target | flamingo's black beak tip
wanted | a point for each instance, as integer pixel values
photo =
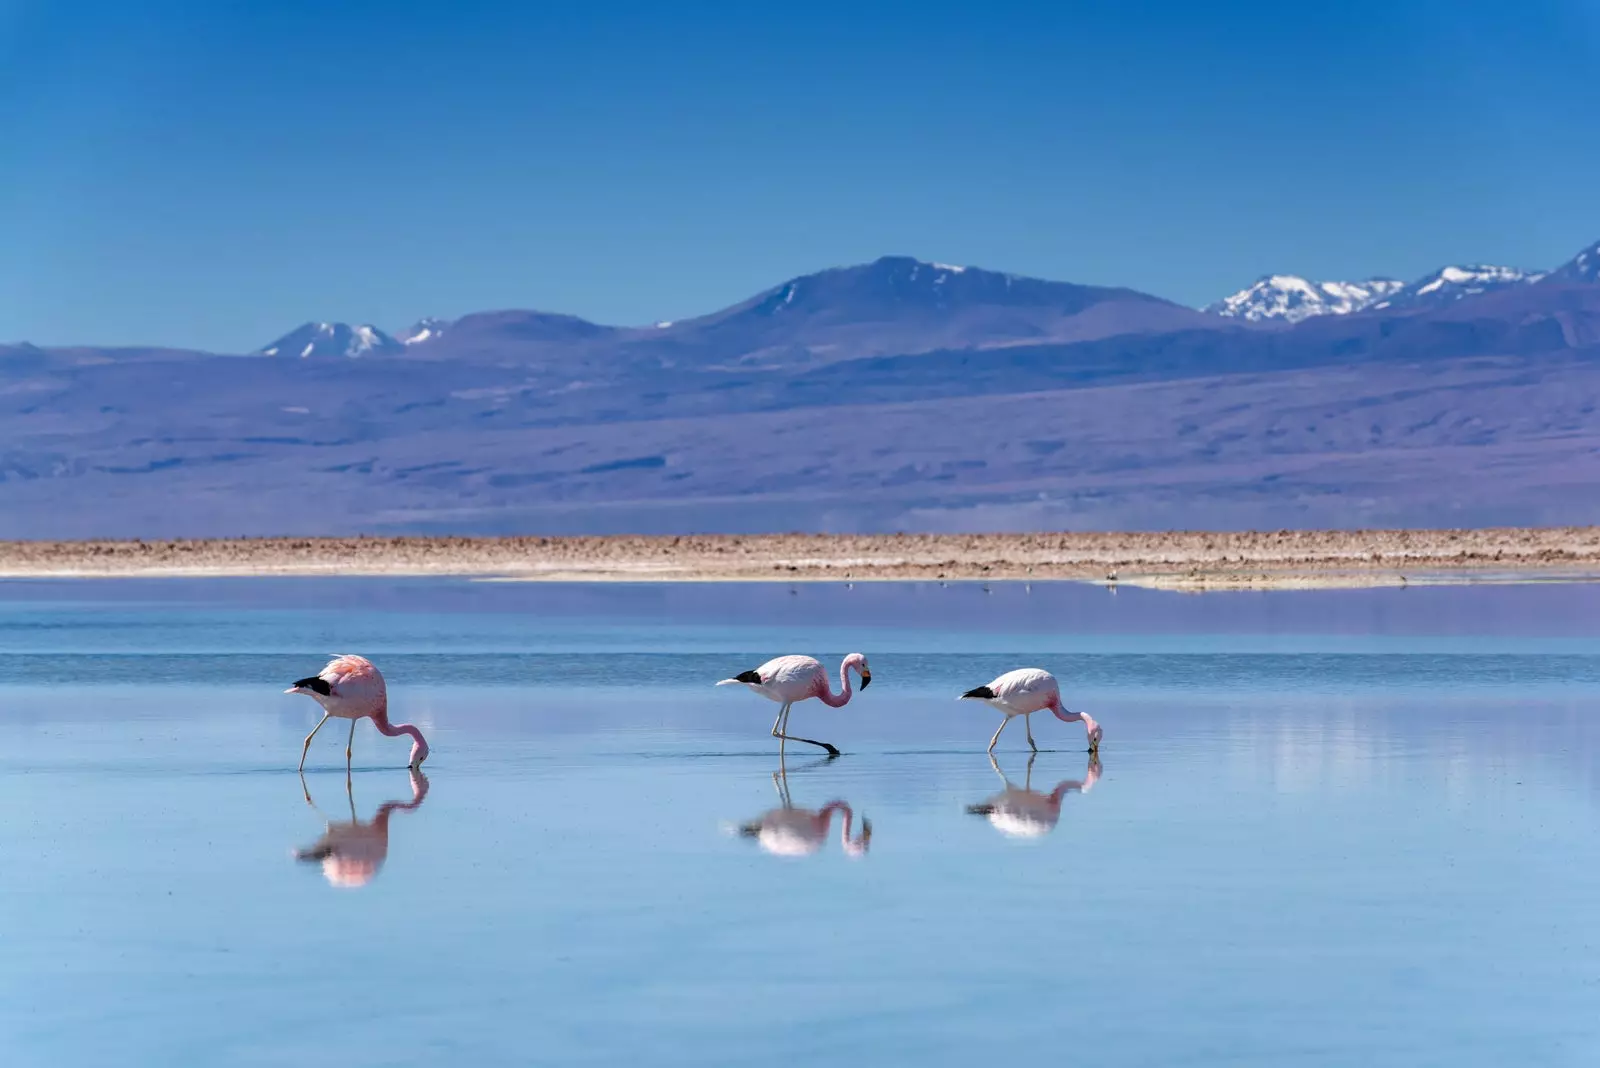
(866, 679)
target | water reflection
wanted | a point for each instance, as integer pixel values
(1025, 812)
(787, 831)
(352, 852)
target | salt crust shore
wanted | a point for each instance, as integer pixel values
(1185, 560)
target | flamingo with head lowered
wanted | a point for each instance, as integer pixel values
(351, 853)
(788, 679)
(1027, 813)
(787, 831)
(1028, 690)
(351, 688)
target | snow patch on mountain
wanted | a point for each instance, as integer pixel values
(425, 329)
(1582, 268)
(1453, 283)
(1291, 298)
(333, 339)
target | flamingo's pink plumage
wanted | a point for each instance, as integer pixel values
(787, 679)
(799, 832)
(351, 853)
(351, 687)
(1028, 690)
(1027, 813)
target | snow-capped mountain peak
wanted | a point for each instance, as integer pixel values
(1452, 283)
(332, 339)
(1292, 298)
(1582, 268)
(424, 329)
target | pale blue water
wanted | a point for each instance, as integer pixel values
(1340, 828)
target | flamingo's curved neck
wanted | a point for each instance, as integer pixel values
(1063, 789)
(825, 814)
(419, 746)
(1073, 717)
(829, 698)
(419, 790)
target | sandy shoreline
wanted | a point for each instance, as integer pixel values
(1187, 560)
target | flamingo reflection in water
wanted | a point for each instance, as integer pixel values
(787, 831)
(351, 853)
(1027, 813)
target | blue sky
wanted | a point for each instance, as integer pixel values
(211, 174)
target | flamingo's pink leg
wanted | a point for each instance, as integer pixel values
(996, 737)
(305, 748)
(781, 731)
(1027, 721)
(778, 726)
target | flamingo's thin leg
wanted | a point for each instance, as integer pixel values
(782, 732)
(348, 746)
(1027, 721)
(996, 737)
(832, 750)
(313, 734)
(777, 728)
(307, 791)
(349, 792)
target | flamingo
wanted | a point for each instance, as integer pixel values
(1026, 813)
(1028, 690)
(351, 853)
(351, 688)
(787, 679)
(787, 831)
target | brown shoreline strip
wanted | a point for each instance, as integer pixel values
(1179, 560)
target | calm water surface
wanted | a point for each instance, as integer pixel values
(1338, 828)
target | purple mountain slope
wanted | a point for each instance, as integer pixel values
(525, 334)
(1582, 269)
(894, 305)
(901, 305)
(1483, 440)
(1120, 411)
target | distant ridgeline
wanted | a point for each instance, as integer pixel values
(896, 395)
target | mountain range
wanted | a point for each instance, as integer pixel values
(897, 394)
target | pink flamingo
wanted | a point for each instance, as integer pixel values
(1028, 690)
(351, 853)
(351, 688)
(787, 831)
(1026, 813)
(788, 679)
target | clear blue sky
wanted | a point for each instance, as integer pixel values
(212, 173)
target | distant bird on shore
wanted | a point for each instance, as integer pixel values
(788, 679)
(351, 853)
(787, 831)
(351, 688)
(1022, 693)
(1025, 812)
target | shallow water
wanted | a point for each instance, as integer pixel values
(1332, 828)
